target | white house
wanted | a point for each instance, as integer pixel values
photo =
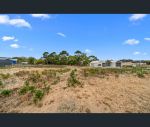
(105, 64)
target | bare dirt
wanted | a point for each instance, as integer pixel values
(110, 94)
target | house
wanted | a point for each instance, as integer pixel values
(97, 63)
(139, 63)
(24, 63)
(127, 63)
(108, 63)
(7, 61)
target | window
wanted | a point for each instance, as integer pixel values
(103, 64)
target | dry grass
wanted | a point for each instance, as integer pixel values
(104, 90)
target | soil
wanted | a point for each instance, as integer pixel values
(122, 94)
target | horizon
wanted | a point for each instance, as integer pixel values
(106, 36)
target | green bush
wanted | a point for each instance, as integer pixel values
(140, 74)
(38, 95)
(27, 88)
(1, 83)
(72, 80)
(6, 92)
(23, 90)
(106, 71)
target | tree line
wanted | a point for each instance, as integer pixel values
(63, 58)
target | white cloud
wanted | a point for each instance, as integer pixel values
(132, 42)
(30, 49)
(88, 51)
(4, 19)
(147, 39)
(19, 23)
(8, 38)
(16, 40)
(139, 53)
(136, 17)
(42, 16)
(14, 46)
(61, 34)
(136, 53)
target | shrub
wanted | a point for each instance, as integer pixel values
(49, 74)
(34, 77)
(5, 76)
(21, 73)
(56, 81)
(6, 92)
(1, 83)
(72, 80)
(27, 88)
(46, 89)
(23, 90)
(140, 74)
(38, 95)
(63, 70)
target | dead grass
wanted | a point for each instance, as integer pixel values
(104, 90)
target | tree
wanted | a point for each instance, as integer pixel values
(63, 57)
(72, 60)
(39, 61)
(64, 53)
(78, 53)
(92, 58)
(53, 54)
(31, 60)
(45, 54)
(84, 60)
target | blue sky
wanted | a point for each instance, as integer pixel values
(107, 36)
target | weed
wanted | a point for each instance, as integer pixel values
(56, 81)
(26, 88)
(38, 95)
(6, 92)
(46, 89)
(140, 74)
(23, 90)
(1, 83)
(34, 77)
(72, 80)
(21, 73)
(67, 106)
(5, 76)
(63, 70)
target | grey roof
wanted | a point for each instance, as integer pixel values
(4, 58)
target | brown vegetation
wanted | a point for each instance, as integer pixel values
(72, 89)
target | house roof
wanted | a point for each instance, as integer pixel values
(4, 58)
(97, 62)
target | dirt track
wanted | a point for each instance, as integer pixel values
(126, 93)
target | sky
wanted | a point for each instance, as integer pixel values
(107, 36)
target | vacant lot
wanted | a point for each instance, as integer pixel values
(74, 89)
